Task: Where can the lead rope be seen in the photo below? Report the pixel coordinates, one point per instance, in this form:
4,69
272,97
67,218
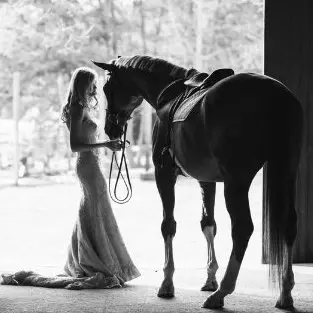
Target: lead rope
127,184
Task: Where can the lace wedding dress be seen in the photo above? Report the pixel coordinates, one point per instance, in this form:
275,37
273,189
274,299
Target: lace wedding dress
97,256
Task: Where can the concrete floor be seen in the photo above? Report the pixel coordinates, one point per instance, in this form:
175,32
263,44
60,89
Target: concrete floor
37,220
139,296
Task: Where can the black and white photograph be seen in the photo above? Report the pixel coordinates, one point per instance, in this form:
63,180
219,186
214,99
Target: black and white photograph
156,156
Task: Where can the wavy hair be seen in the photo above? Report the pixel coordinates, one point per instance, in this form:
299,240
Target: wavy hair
77,98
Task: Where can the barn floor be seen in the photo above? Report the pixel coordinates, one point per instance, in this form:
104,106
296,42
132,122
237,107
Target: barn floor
36,224
252,295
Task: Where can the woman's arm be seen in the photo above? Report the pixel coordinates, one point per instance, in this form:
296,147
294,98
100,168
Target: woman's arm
114,145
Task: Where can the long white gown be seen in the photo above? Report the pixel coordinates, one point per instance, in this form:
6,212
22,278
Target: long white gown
97,256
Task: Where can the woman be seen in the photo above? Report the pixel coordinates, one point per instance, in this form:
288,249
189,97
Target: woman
97,256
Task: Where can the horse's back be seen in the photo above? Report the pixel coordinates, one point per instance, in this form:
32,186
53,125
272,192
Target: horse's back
235,125
242,90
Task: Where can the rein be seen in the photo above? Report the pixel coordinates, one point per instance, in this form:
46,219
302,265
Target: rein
127,183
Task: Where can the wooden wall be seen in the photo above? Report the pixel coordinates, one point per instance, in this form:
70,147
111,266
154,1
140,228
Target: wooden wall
289,58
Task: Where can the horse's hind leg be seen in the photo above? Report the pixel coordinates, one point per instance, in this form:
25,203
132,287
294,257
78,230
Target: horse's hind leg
285,300
208,227
165,180
237,203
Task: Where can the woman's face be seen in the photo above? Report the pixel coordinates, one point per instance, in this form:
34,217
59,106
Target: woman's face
91,95
92,90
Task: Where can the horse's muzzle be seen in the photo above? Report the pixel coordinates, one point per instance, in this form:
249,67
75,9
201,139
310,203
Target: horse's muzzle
113,131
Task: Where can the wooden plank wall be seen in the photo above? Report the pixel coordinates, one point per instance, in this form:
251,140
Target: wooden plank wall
289,58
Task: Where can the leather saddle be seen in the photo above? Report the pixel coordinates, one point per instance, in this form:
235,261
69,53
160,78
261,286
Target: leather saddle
178,99
182,95
202,81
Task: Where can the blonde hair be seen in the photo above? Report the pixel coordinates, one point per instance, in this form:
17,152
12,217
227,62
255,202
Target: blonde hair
81,80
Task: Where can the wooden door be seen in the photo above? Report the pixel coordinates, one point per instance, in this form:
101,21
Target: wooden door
289,58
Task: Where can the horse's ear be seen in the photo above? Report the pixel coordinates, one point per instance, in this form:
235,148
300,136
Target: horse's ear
104,66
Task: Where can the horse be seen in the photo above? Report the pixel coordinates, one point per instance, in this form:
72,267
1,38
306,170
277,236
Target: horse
221,127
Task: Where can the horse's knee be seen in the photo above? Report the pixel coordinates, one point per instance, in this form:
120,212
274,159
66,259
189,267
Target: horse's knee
168,228
237,203
241,234
242,230
207,221
208,197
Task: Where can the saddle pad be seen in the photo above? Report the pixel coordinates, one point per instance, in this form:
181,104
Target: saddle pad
188,104
203,84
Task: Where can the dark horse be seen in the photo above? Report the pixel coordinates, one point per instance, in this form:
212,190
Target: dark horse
218,127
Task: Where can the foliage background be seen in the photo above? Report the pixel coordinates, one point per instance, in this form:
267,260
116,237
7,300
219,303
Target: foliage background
45,40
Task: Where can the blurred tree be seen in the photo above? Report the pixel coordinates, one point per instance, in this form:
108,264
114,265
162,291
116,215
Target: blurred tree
47,39
43,40
234,35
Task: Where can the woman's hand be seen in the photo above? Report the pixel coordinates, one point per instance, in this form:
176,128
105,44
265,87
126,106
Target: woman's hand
114,145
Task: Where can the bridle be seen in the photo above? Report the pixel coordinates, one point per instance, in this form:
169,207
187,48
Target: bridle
118,119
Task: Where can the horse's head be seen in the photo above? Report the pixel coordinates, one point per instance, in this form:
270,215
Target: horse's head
122,99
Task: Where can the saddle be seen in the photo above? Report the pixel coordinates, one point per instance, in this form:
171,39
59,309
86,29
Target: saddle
199,80
178,99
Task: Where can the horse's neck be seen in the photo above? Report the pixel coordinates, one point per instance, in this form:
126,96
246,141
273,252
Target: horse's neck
151,86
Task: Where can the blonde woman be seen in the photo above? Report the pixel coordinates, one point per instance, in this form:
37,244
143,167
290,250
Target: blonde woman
97,256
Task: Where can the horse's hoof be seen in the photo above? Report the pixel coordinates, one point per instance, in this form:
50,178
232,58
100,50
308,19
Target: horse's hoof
214,301
166,290
165,295
210,286
286,303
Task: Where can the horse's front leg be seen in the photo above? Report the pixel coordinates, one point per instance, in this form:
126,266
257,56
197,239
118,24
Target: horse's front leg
208,227
165,180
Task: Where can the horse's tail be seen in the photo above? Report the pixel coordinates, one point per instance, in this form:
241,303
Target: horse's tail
280,219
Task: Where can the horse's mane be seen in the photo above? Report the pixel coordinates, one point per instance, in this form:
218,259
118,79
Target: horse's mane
151,65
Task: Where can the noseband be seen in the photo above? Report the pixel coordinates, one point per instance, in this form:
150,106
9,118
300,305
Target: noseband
117,119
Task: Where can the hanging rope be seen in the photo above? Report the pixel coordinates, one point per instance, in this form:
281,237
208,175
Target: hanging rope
127,182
